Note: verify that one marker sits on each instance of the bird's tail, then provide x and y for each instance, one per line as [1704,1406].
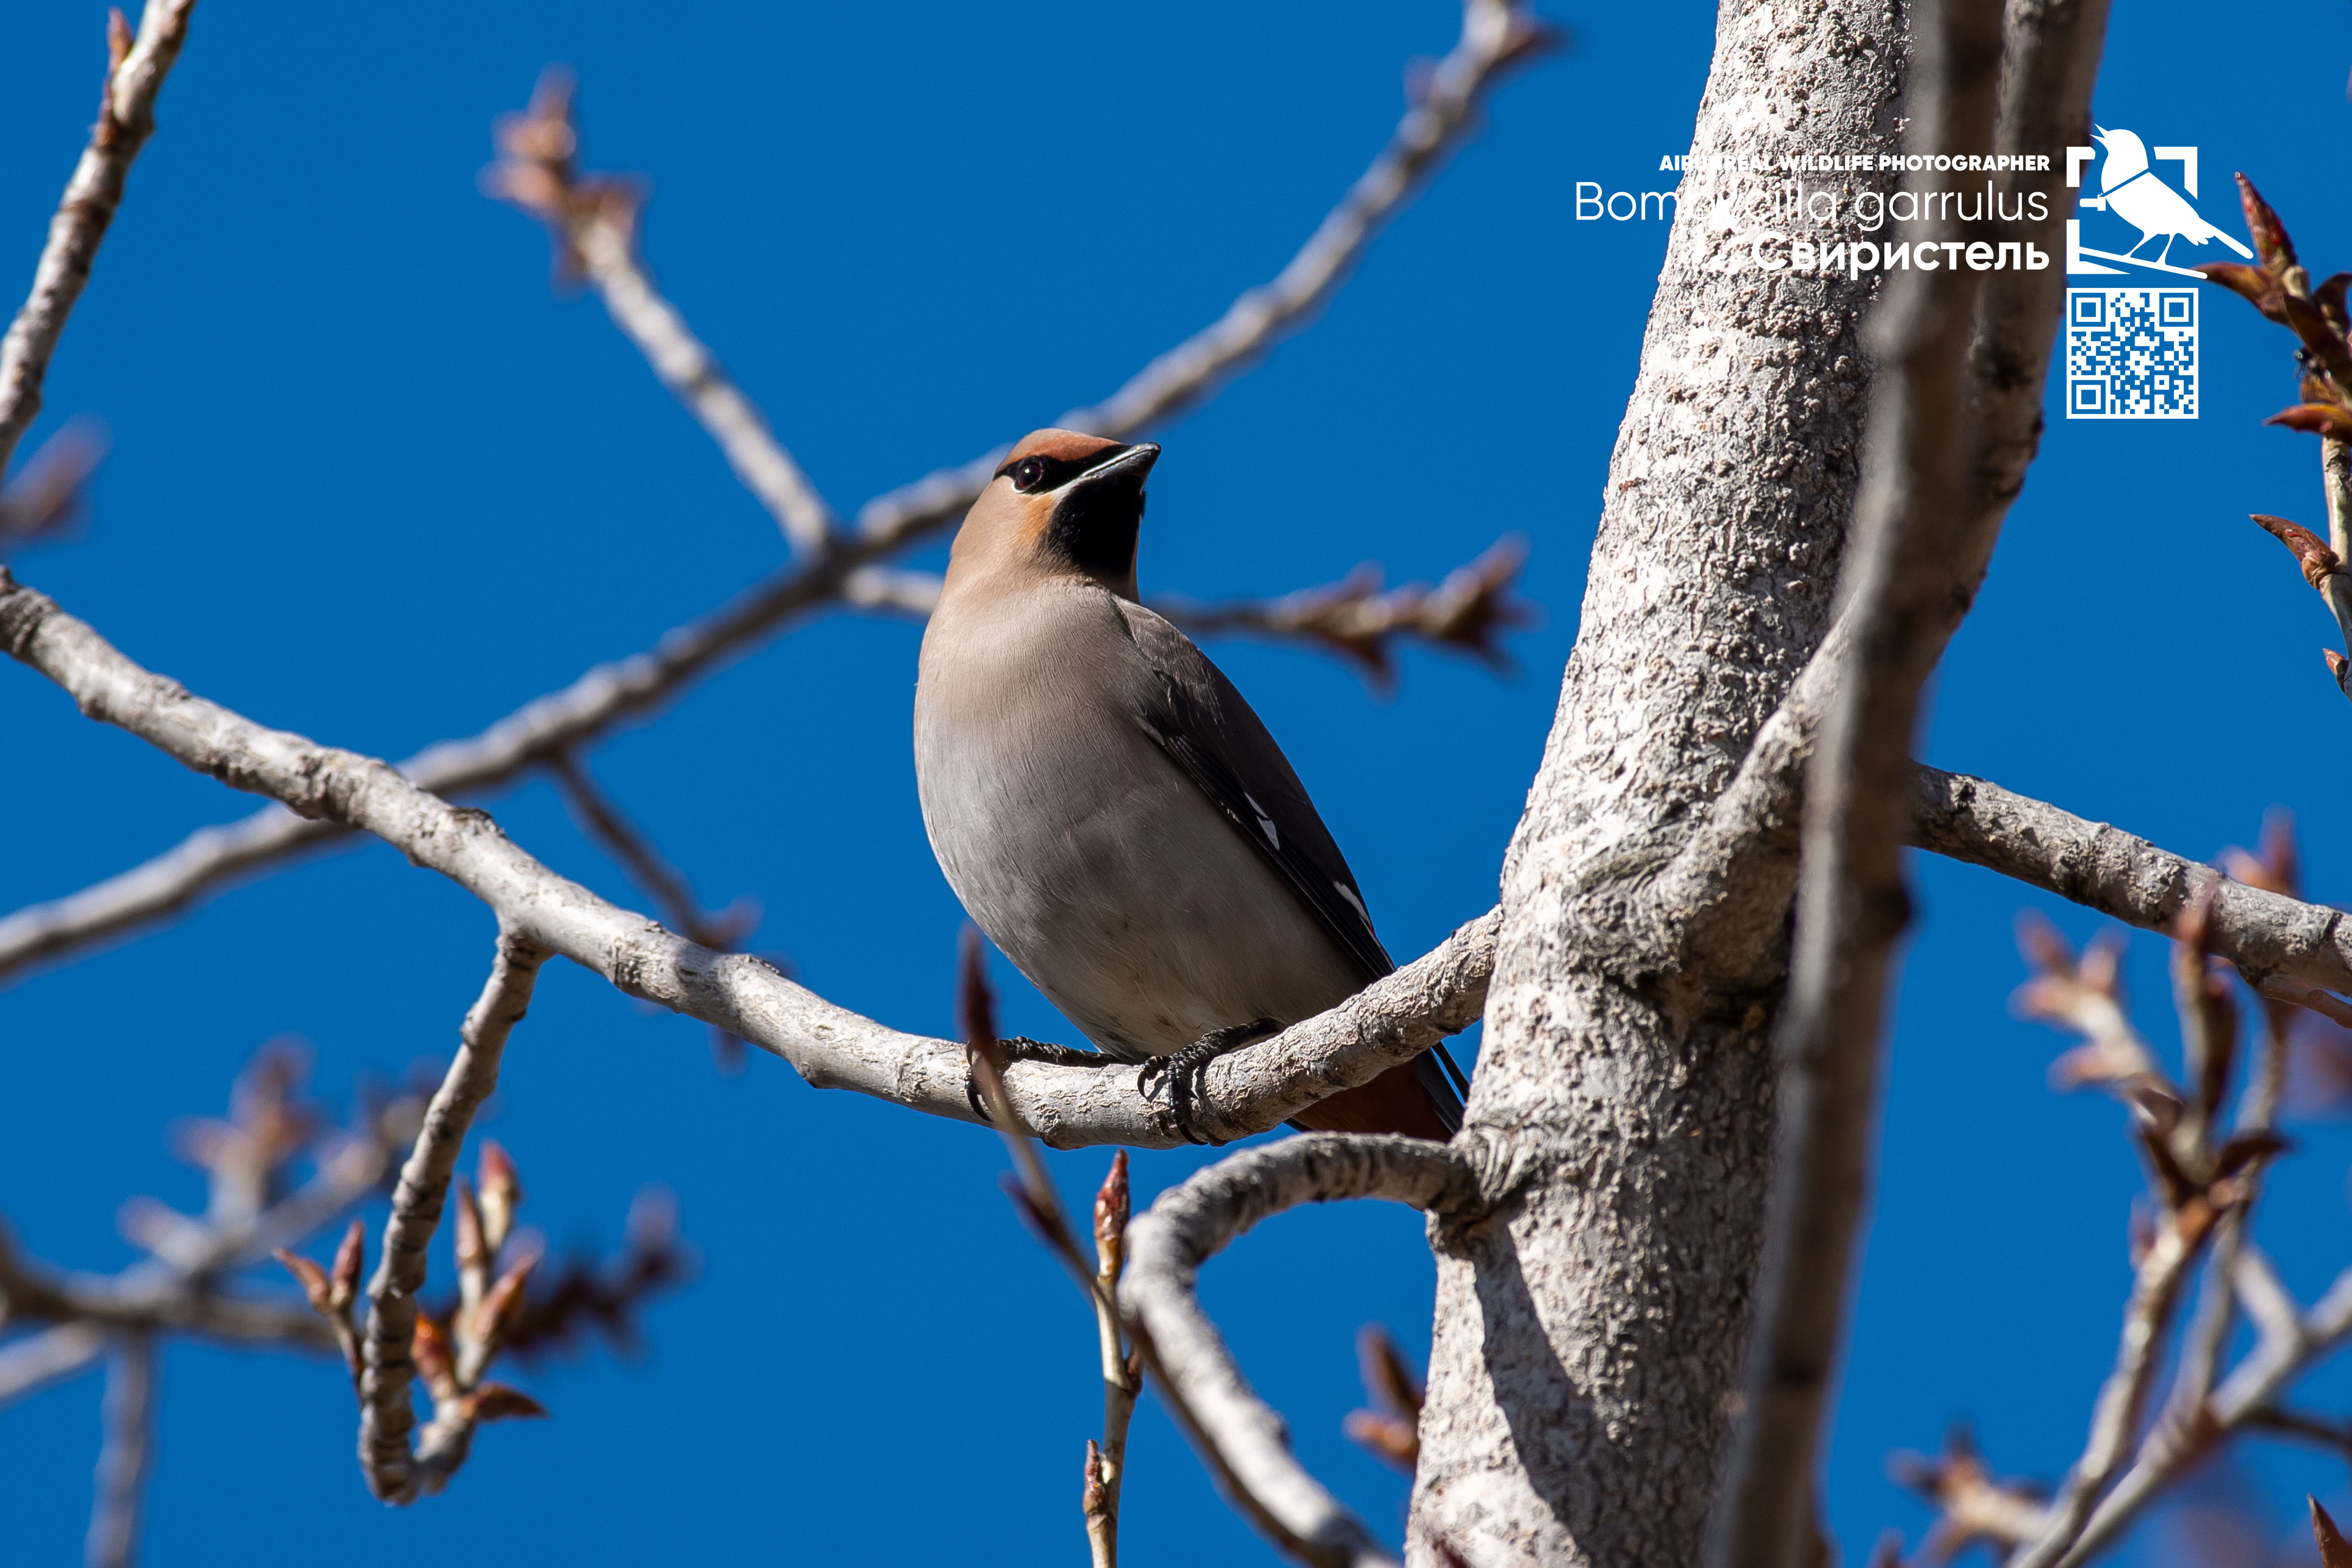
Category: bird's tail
[1419,1098]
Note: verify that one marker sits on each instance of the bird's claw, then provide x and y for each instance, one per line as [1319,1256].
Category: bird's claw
[1184,1071]
[1021,1048]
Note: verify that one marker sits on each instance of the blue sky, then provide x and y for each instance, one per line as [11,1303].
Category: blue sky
[372,480]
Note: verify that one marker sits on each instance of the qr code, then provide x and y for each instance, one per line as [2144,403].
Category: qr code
[2131,353]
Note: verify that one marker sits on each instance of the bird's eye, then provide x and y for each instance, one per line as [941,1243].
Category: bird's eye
[1028,474]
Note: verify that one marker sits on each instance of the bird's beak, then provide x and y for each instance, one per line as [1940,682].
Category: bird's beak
[1127,463]
[2098,136]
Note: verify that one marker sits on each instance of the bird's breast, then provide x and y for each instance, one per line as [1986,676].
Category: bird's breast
[1087,856]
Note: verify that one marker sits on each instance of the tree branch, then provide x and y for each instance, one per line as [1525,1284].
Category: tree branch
[593,221]
[603,820]
[2288,950]
[1914,517]
[2290,1343]
[135,70]
[126,1456]
[1391,1022]
[1728,890]
[39,1360]
[386,1416]
[1244,1439]
[1494,36]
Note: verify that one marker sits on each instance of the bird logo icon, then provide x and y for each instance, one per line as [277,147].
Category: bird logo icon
[2131,190]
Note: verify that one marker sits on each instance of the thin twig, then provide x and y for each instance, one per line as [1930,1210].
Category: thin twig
[1914,517]
[2115,1418]
[135,70]
[2292,1343]
[595,220]
[126,1455]
[386,1420]
[604,821]
[1122,1371]
[1494,36]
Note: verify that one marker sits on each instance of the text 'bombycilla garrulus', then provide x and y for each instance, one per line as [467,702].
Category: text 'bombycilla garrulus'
[1111,813]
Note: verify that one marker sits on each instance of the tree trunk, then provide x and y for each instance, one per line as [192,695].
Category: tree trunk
[1588,1331]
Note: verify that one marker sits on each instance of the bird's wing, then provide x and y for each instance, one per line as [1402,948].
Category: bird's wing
[1201,722]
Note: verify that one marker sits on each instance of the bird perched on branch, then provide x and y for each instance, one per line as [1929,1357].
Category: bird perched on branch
[1113,814]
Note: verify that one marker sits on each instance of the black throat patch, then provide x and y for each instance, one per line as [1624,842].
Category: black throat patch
[1096,526]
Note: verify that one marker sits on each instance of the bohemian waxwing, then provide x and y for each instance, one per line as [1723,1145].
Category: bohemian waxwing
[1111,813]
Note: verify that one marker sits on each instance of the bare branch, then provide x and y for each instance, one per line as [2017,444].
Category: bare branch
[38,1360]
[2115,1418]
[1242,1439]
[128,1451]
[2292,1343]
[1914,517]
[135,70]
[386,1417]
[1496,35]
[1390,1022]
[1354,619]
[593,221]
[2288,950]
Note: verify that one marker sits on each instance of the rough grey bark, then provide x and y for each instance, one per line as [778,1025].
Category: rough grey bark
[1589,1334]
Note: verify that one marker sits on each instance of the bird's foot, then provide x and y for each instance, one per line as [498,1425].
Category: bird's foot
[1021,1048]
[1183,1070]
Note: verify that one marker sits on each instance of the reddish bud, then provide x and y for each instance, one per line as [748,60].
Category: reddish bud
[2317,561]
[1112,1205]
[430,1349]
[348,1259]
[2269,234]
[502,1194]
[2257,286]
[500,1402]
[310,1276]
[2335,1552]
[2315,419]
[470,1252]
[1391,1438]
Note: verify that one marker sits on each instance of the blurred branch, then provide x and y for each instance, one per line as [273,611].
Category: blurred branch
[604,821]
[1390,1022]
[1353,618]
[181,1288]
[1916,517]
[128,1454]
[135,69]
[1972,1506]
[1496,35]
[48,493]
[1393,1430]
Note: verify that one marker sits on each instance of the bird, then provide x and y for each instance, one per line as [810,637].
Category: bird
[2128,189]
[1113,814]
